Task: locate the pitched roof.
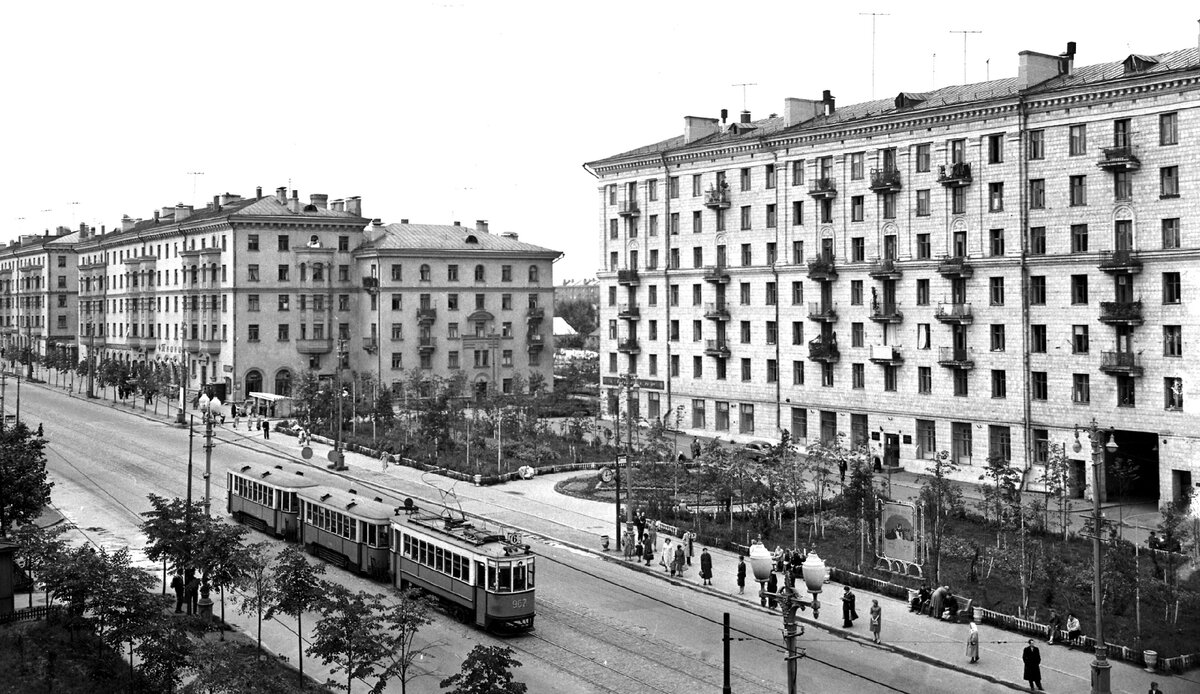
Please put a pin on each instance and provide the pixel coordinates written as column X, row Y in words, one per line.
column 449, row 237
column 267, row 206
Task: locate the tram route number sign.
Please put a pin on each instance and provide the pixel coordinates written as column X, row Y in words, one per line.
column 514, row 538
column 520, row 603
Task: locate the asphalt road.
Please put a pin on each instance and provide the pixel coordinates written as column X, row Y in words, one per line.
column 599, row 628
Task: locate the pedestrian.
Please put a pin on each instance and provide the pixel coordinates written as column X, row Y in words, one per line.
column 177, row 586
column 876, row 620
column 647, row 552
column 920, row 602
column 690, row 539
column 667, row 558
column 192, row 589
column 842, row 470
column 266, row 429
column 1154, row 689
column 848, row 612
column 706, row 566
column 741, row 574
column 680, row 559
column 1032, row 658
column 973, row 643
column 628, row 544
column 639, row 521
column 1073, row 630
column 772, row 588
column 937, row 601
column 237, row 415
column 1055, row 626
column 652, row 533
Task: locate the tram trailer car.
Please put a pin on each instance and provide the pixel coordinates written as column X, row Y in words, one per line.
column 347, row 529
column 265, row 496
column 485, row 577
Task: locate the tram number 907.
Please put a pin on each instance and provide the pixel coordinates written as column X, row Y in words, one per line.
column 519, row 603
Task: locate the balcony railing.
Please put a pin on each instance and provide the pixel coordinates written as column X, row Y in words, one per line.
column 1121, row 312
column 628, row 277
column 717, row 311
column 1119, row 159
column 822, row 268
column 955, row 175
column 426, row 315
column 717, row 198
column 716, row 348
column 956, row 358
column 315, row 346
column 535, row 313
column 629, row 345
column 955, row 313
column 886, row 354
column 955, row 266
column 718, row 274
column 206, row 346
column 885, row 180
column 629, row 311
column 822, row 312
column 426, row 344
column 821, row 188
column 886, row 312
column 1125, row 261
column 629, row 208
column 370, row 344
column 535, row 340
column 823, row 348
column 371, row 284
column 1125, row 363
column 885, row 269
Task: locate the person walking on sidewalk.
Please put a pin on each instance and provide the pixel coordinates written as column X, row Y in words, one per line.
column 652, row 533
column 667, row 558
column 680, row 560
column 647, row 552
column 772, row 587
column 1032, row 658
column 973, row 643
column 706, row 566
column 689, row 539
column 741, row 574
column 848, row 612
column 639, row 521
column 876, row 620
column 628, row 542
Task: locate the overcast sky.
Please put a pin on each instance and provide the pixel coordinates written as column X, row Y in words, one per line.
column 443, row 111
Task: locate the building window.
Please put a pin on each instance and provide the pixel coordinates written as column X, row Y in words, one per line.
column 798, row 172
column 856, row 166
column 1037, row 290
column 856, row 335
column 426, row 274
column 923, row 292
column 1079, row 289
column 923, row 341
column 770, row 174
column 1037, row 339
column 1168, row 129
column 797, row 212
column 1037, row 144
column 926, row 438
column 697, row 183
column 283, row 242
column 770, row 216
column 958, row 200
column 1078, row 186
column 1000, row 442
column 797, row 373
column 995, row 145
column 1037, row 194
column 923, row 158
column 283, row 332
column 1168, row 177
column 772, row 371
column 996, row 291
column 1172, row 289
column 889, row 205
column 1122, row 185
column 961, row 384
column 996, row 197
column 1172, row 340
column 923, row 202
column 856, row 292
column 827, row 375
column 924, row 380
column 1079, row 339
column 997, row 241
column 1173, row 393
column 744, row 293
column 747, row 255
column 745, row 179
column 746, row 421
column 889, row 378
column 1079, row 238
column 1039, row 385
column 1170, row 233
column 856, row 208
column 1126, row 391
column 252, row 332
column 858, row 376
column 697, row 222
column 1081, row 389
column 1037, row 240
column 997, row 337
column 1078, row 140
column 924, row 249
column 746, row 371
column 251, row 273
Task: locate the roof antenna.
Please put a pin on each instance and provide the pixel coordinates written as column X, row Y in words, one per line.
column 933, row 77
column 873, row 15
column 964, row 33
column 194, row 174
column 743, row 85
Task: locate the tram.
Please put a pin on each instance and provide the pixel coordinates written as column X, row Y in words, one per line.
column 265, row 496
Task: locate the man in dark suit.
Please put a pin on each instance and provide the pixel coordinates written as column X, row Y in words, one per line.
column 848, row 612
column 1032, row 658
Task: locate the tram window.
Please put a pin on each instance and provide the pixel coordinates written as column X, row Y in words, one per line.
column 505, row 584
column 372, row 539
column 424, row 553
column 518, row 576
column 491, row 577
column 529, row 575
column 479, row 574
column 385, row 535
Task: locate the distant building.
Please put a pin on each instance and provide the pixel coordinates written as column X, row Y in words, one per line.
column 976, row 269
column 38, row 286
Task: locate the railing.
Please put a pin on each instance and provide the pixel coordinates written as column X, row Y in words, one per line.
column 954, row 312
column 1120, row 260
column 886, row 353
column 885, row 311
column 716, row 273
column 1126, row 362
column 370, row 344
column 426, row 343
column 954, row 265
column 629, row 344
column 884, row 268
column 822, row 187
column 426, row 314
column 627, row 276
column 885, row 179
column 822, row 265
column 629, row 311
column 536, row 313
column 370, row 283
column 716, row 197
column 629, row 208
column 821, row 311
column 955, row 174
column 821, row 348
column 1121, row 157
column 1120, row 311
column 716, row 310
column 950, row 355
column 535, row 339
column 716, row 346
column 30, row 613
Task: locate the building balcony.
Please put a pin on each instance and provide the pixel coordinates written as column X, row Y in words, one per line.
column 371, row 344
column 1119, row 159
column 885, row 180
column 822, row 312
column 1120, row 363
column 425, row 316
column 885, row 269
column 717, row 274
column 887, row 355
column 955, row 266
column 535, row 313
column 886, row 312
column 955, row 175
column 535, row 341
column 628, row 278
column 822, row 188
column 315, row 346
column 206, row 346
column 1121, row 312
column 716, row 348
column 629, row 346
column 136, row 342
column 716, row 311
column 629, row 208
column 956, row 358
column 717, row 199
column 191, row 346
column 1120, row 262
column 629, row 312
column 426, row 344
column 822, row 269
column 824, row 349
column 955, row 314
column 371, row 284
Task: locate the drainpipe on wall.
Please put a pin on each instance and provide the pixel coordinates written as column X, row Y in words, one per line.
column 666, row 267
column 775, row 274
column 1026, row 394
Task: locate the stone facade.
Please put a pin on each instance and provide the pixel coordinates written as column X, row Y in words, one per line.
column 977, row 269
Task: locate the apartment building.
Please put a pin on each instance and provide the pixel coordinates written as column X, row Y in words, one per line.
column 249, row 292
column 979, row 269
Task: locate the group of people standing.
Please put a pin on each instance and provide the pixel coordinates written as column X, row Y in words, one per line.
column 675, row 557
column 187, row 592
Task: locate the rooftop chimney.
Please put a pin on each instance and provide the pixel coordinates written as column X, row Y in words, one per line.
column 258, row 193
column 319, row 200
column 182, row 212
column 1067, row 64
column 281, row 195
column 227, row 198
column 1035, row 68
column 338, row 205
column 456, row 223
column 481, row 226
column 83, row 231
column 510, row 235
column 796, row 111
column 294, row 203
column 724, row 115
column 696, row 128
column 828, row 101
column 354, row 205
column 156, row 216
column 745, row 116
column 404, row 221
column 216, row 203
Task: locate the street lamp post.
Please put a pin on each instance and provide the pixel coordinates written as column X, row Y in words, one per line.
column 813, row 570
column 1101, row 669
column 91, row 359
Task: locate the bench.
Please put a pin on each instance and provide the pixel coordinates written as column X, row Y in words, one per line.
column 964, row 609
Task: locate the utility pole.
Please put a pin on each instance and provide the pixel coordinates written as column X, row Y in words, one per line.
column 187, row 513
column 3, row 387
column 339, row 462
column 873, row 15
column 964, row 33
column 91, row 359
column 725, row 688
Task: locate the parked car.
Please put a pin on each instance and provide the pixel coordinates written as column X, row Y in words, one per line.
column 756, row 450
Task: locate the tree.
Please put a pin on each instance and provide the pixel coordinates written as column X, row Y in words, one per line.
column 170, row 532
column 788, row 473
column 999, row 491
column 24, row 489
column 940, row 496
column 401, row 622
column 823, row 459
column 39, row 548
column 120, row 602
column 1054, row 477
column 486, row 670
column 231, row 668
column 165, row 652
column 860, row 495
column 348, row 636
column 384, row 411
column 221, row 556
column 1124, row 473
column 295, row 589
column 256, row 584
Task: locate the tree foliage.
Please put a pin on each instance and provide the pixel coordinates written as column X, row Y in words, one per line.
column 296, row 588
column 400, row 623
column 171, row 534
column 348, row 635
column 256, row 584
column 24, row 487
column 940, row 496
column 486, row 670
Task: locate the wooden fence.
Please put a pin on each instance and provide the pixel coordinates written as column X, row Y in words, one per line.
column 30, row 614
